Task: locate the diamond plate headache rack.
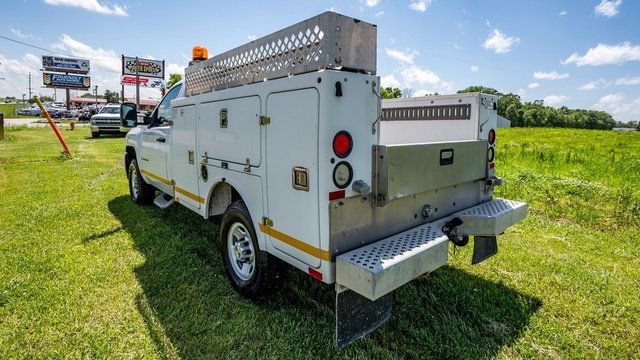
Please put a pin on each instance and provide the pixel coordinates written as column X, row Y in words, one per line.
column 325, row 41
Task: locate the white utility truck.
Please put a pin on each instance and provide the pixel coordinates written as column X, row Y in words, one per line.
column 288, row 139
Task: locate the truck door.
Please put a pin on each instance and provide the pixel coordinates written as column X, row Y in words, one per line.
column 155, row 144
column 292, row 145
column 183, row 161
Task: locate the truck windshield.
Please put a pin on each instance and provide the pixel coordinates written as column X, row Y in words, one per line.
column 110, row 110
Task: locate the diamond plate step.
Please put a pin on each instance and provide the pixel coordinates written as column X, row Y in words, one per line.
column 491, row 218
column 379, row 268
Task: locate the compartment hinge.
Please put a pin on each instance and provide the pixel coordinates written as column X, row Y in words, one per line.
column 264, row 120
column 267, row 222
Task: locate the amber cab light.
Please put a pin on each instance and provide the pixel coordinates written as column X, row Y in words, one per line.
column 199, row 53
column 342, row 144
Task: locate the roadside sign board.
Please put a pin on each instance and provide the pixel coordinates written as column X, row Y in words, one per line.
column 145, row 67
column 67, row 65
column 66, row 81
column 144, row 81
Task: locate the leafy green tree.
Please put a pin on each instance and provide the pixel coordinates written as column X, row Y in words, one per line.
column 112, row 96
column 390, row 93
column 173, row 79
column 480, row 88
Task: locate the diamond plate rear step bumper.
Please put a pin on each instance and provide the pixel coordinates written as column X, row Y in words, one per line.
column 381, row 267
column 367, row 276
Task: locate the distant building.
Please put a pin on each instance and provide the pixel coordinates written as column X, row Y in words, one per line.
column 145, row 104
column 503, row 122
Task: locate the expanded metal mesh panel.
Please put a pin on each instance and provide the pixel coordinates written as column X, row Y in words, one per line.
column 443, row 112
column 377, row 256
column 326, row 41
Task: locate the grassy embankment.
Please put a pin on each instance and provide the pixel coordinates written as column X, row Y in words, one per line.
column 85, row 273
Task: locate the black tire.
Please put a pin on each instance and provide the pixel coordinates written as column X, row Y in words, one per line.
column 144, row 193
column 95, row 135
column 268, row 271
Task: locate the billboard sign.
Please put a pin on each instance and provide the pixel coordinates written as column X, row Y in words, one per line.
column 143, row 81
column 145, row 67
column 62, row 64
column 66, row 81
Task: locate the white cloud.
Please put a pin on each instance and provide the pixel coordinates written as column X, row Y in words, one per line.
column 521, row 92
column 615, row 105
column 389, row 81
column 403, row 57
column 101, row 59
column 22, row 35
column 554, row 75
column 422, row 92
column 608, row 8
column 173, row 68
column 91, row 5
column 629, row 81
column 16, row 75
column 604, row 54
column 592, row 85
column 379, row 13
column 415, row 75
column 474, row 68
column 372, row 3
column 252, row 37
column 420, row 5
column 533, row 85
column 500, row 42
column 555, row 100
column 563, row 13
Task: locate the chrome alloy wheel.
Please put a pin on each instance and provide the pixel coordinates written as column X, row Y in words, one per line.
column 135, row 181
column 241, row 251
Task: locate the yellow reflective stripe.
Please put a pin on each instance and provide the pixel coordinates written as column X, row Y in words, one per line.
column 191, row 196
column 306, row 248
column 161, row 179
column 177, row 189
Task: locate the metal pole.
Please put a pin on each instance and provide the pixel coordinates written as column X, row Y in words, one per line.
column 30, row 86
column 1, row 126
column 137, row 83
column 53, row 126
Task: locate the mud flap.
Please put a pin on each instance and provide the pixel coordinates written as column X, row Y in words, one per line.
column 484, row 247
column 356, row 316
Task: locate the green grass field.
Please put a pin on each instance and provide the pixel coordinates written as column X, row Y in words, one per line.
column 86, row 273
column 9, row 111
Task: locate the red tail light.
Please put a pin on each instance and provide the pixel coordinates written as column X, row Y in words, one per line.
column 492, row 136
column 342, row 144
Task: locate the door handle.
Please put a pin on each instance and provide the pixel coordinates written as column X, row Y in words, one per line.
column 161, row 139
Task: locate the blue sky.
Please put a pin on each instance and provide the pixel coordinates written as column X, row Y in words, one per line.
column 579, row 53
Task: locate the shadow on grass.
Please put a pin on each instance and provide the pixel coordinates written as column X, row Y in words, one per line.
column 191, row 310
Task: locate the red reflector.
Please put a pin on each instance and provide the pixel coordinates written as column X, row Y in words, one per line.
column 342, row 144
column 315, row 274
column 335, row 195
column 492, row 166
column 492, row 136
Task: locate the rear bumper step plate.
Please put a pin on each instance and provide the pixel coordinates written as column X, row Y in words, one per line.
column 381, row 267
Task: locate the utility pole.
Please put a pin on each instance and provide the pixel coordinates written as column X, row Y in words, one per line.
column 96, row 91
column 137, row 83
column 30, row 97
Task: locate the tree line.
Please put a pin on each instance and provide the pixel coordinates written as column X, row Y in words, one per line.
column 533, row 113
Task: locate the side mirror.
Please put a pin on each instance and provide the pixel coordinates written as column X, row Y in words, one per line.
column 128, row 115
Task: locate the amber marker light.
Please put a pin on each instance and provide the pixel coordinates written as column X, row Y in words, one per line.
column 199, row 53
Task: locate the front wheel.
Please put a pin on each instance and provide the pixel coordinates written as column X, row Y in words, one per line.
column 141, row 192
column 252, row 272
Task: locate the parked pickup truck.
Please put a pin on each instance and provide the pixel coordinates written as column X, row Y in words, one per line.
column 288, row 140
column 107, row 121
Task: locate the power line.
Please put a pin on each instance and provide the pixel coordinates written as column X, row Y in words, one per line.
column 47, row 50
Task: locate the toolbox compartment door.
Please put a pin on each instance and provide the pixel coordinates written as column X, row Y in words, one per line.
column 408, row 169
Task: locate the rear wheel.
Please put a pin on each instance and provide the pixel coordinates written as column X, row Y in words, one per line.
column 141, row 192
column 251, row 271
